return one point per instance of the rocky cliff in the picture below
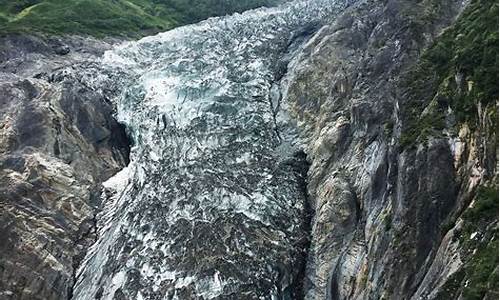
(395, 105)
(58, 142)
(403, 179)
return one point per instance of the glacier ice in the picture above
(212, 203)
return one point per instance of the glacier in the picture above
(213, 204)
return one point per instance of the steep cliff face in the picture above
(58, 142)
(396, 162)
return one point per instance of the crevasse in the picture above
(212, 204)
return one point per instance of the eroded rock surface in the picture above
(380, 207)
(58, 142)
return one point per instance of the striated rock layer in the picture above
(388, 203)
(58, 142)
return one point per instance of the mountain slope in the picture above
(118, 17)
(398, 103)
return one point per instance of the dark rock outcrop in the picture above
(58, 142)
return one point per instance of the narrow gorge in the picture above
(316, 149)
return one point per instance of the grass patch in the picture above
(112, 17)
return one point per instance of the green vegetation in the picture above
(112, 17)
(482, 273)
(479, 273)
(460, 70)
(479, 250)
(485, 209)
(185, 11)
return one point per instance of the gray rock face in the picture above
(379, 210)
(58, 141)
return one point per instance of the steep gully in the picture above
(213, 204)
